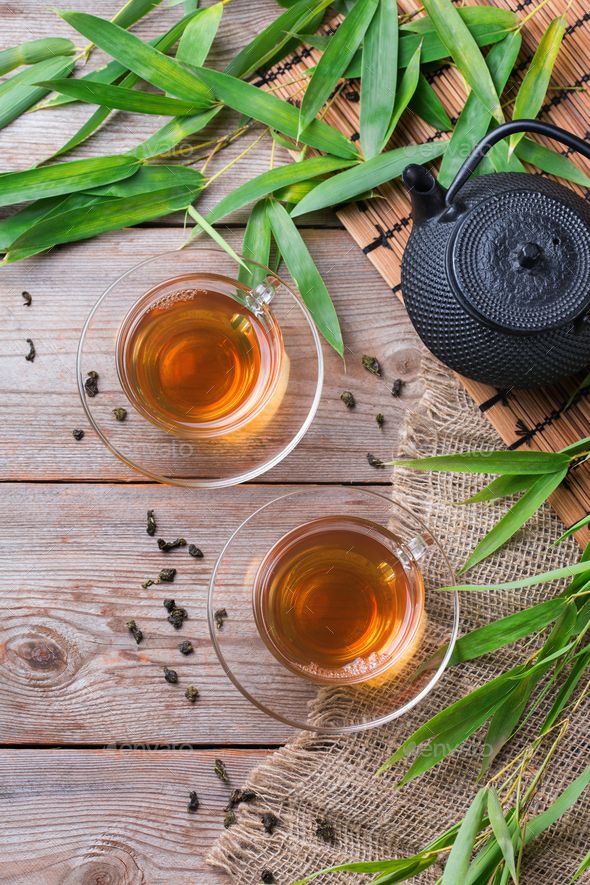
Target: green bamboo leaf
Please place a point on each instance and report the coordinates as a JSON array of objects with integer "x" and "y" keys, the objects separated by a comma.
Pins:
[
  {"x": 261, "y": 50},
  {"x": 459, "y": 859},
  {"x": 501, "y": 832},
  {"x": 585, "y": 865},
  {"x": 166, "y": 138},
  {"x": 502, "y": 487},
  {"x": 294, "y": 193},
  {"x": 505, "y": 719},
  {"x": 475, "y": 118},
  {"x": 577, "y": 449},
  {"x": 117, "y": 97},
  {"x": 378, "y": 77},
  {"x": 558, "y": 807},
  {"x": 109, "y": 214},
  {"x": 573, "y": 529},
  {"x": 50, "y": 181},
  {"x": 197, "y": 39},
  {"x": 216, "y": 237},
  {"x": 300, "y": 265},
  {"x": 34, "y": 51},
  {"x": 366, "y": 176},
  {"x": 144, "y": 60},
  {"x": 428, "y": 106},
  {"x": 566, "y": 691},
  {"x": 464, "y": 51},
  {"x": 532, "y": 91},
  {"x": 488, "y": 17},
  {"x": 149, "y": 179},
  {"x": 566, "y": 571},
  {"x": 501, "y": 160},
  {"x": 133, "y": 11},
  {"x": 504, "y": 462},
  {"x": 519, "y": 513},
  {"x": 12, "y": 227},
  {"x": 550, "y": 161},
  {"x": 406, "y": 90},
  {"x": 19, "y": 93},
  {"x": 270, "y": 181},
  {"x": 274, "y": 112},
  {"x": 336, "y": 59},
  {"x": 256, "y": 246}
]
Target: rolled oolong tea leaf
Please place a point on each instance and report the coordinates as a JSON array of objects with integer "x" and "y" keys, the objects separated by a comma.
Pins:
[
  {"x": 220, "y": 616},
  {"x": 229, "y": 819},
  {"x": 348, "y": 399},
  {"x": 192, "y": 694},
  {"x": 170, "y": 676},
  {"x": 371, "y": 364},
  {"x": 239, "y": 796},
  {"x": 135, "y": 631},
  {"x": 120, "y": 413},
  {"x": 193, "y": 802},
  {"x": 151, "y": 523},
  {"x": 167, "y": 575},
  {"x": 177, "y": 617},
  {"x": 270, "y": 822},
  {"x": 78, "y": 434},
  {"x": 169, "y": 605},
  {"x": 374, "y": 461},
  {"x": 167, "y": 546},
  {"x": 396, "y": 389},
  {"x": 30, "y": 357},
  {"x": 325, "y": 830},
  {"x": 380, "y": 419},
  {"x": 186, "y": 648},
  {"x": 221, "y": 771},
  {"x": 195, "y": 551},
  {"x": 91, "y": 384},
  {"x": 27, "y": 299},
  {"x": 267, "y": 878}
]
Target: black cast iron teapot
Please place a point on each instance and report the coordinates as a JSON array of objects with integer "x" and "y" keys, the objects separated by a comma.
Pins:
[{"x": 496, "y": 273}]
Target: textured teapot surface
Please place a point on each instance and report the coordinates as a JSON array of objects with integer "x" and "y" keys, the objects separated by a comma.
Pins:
[{"x": 498, "y": 287}]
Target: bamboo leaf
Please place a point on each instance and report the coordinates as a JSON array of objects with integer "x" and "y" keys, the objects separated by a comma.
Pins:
[
  {"x": 117, "y": 97},
  {"x": 379, "y": 866},
  {"x": 216, "y": 237},
  {"x": 502, "y": 487},
  {"x": 573, "y": 529},
  {"x": 133, "y": 11},
  {"x": 62, "y": 178},
  {"x": 256, "y": 246},
  {"x": 19, "y": 93},
  {"x": 505, "y": 718},
  {"x": 558, "y": 807},
  {"x": 459, "y": 859},
  {"x": 274, "y": 112},
  {"x": 34, "y": 51},
  {"x": 501, "y": 832},
  {"x": 504, "y": 462},
  {"x": 475, "y": 118},
  {"x": 335, "y": 60},
  {"x": 274, "y": 37},
  {"x": 406, "y": 90},
  {"x": 166, "y": 138},
  {"x": 533, "y": 88},
  {"x": 366, "y": 176},
  {"x": 519, "y": 513},
  {"x": 270, "y": 181},
  {"x": 144, "y": 60},
  {"x": 301, "y": 266},
  {"x": 427, "y": 105},
  {"x": 464, "y": 51},
  {"x": 490, "y": 18},
  {"x": 566, "y": 571},
  {"x": 149, "y": 179},
  {"x": 379, "y": 77},
  {"x": 550, "y": 161},
  {"x": 585, "y": 865},
  {"x": 197, "y": 39}
]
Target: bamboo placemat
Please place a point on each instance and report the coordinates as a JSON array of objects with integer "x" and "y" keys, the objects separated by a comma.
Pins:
[{"x": 535, "y": 418}]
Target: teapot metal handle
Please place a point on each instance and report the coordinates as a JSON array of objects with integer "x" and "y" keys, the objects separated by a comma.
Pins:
[{"x": 496, "y": 135}]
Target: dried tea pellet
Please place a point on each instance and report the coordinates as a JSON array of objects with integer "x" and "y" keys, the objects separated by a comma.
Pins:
[
  {"x": 229, "y": 819},
  {"x": 32, "y": 352},
  {"x": 374, "y": 461},
  {"x": 193, "y": 802},
  {"x": 167, "y": 575},
  {"x": 195, "y": 551},
  {"x": 221, "y": 771},
  {"x": 177, "y": 617},
  {"x": 325, "y": 830},
  {"x": 78, "y": 434},
  {"x": 148, "y": 583},
  {"x": 170, "y": 676},
  {"x": 186, "y": 647},
  {"x": 396, "y": 389},
  {"x": 269, "y": 822},
  {"x": 91, "y": 384},
  {"x": 167, "y": 546},
  {"x": 191, "y": 694},
  {"x": 371, "y": 364},
  {"x": 380, "y": 419},
  {"x": 27, "y": 299},
  {"x": 220, "y": 616},
  {"x": 120, "y": 413},
  {"x": 266, "y": 876},
  {"x": 169, "y": 605},
  {"x": 151, "y": 523},
  {"x": 239, "y": 796},
  {"x": 348, "y": 399},
  {"x": 135, "y": 631}
]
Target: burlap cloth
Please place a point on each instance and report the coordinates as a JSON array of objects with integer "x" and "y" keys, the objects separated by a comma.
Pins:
[{"x": 316, "y": 776}]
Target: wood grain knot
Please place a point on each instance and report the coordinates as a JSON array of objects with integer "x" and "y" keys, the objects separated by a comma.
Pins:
[
  {"x": 43, "y": 654},
  {"x": 118, "y": 868},
  {"x": 40, "y": 656},
  {"x": 405, "y": 362}
]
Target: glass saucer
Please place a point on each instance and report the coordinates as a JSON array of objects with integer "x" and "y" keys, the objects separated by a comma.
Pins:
[
  {"x": 165, "y": 454},
  {"x": 289, "y": 696}
]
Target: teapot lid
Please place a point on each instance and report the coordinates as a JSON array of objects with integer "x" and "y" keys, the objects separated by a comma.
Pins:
[{"x": 520, "y": 262}]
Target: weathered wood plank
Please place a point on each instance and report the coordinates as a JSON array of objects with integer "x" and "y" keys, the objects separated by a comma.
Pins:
[
  {"x": 113, "y": 816},
  {"x": 39, "y": 403},
  {"x": 73, "y": 561}
]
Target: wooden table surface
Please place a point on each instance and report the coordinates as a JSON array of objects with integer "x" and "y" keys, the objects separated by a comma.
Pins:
[{"x": 98, "y": 753}]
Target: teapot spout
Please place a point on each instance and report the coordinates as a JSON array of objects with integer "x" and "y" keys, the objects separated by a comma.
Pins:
[{"x": 426, "y": 194}]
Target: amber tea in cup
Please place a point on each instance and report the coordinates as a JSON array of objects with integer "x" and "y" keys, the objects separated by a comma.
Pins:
[
  {"x": 338, "y": 599},
  {"x": 200, "y": 356}
]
